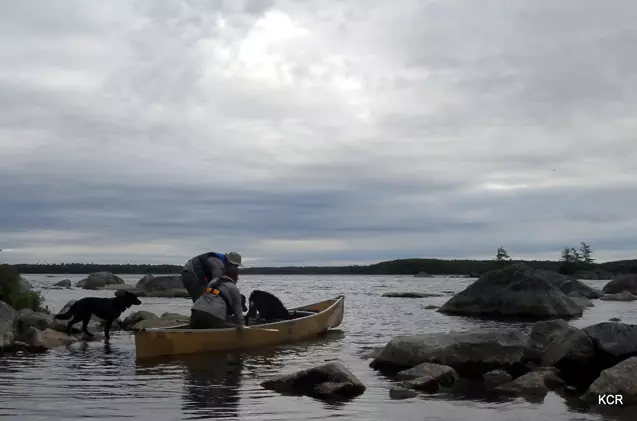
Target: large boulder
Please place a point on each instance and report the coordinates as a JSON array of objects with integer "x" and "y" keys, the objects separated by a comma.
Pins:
[
  {"x": 569, "y": 285},
  {"x": 573, "y": 353},
  {"x": 160, "y": 283},
  {"x": 514, "y": 291},
  {"x": 613, "y": 341},
  {"x": 621, "y": 283},
  {"x": 98, "y": 280},
  {"x": 331, "y": 380},
  {"x": 7, "y": 333},
  {"x": 621, "y": 379},
  {"x": 471, "y": 353}
]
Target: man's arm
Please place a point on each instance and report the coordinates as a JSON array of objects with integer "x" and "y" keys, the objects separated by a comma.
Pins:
[
  {"x": 237, "y": 307},
  {"x": 216, "y": 267}
]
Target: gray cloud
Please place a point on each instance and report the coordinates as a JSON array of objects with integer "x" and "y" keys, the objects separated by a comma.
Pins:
[{"x": 316, "y": 132}]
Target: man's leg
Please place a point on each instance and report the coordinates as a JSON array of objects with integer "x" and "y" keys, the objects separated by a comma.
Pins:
[
  {"x": 202, "y": 320},
  {"x": 193, "y": 284}
]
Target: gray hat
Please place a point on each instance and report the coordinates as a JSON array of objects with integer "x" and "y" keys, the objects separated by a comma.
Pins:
[{"x": 234, "y": 258}]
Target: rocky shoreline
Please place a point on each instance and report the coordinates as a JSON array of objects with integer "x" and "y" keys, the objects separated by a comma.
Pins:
[{"x": 581, "y": 364}]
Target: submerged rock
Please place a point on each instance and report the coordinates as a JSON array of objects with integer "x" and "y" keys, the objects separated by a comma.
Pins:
[
  {"x": 407, "y": 294},
  {"x": 331, "y": 380},
  {"x": 398, "y": 392},
  {"x": 514, "y": 291},
  {"x": 470, "y": 353}
]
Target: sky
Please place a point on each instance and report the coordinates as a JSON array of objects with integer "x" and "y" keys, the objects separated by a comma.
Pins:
[{"x": 316, "y": 132}]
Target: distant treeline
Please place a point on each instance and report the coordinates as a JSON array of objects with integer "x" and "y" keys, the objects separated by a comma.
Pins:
[{"x": 392, "y": 267}]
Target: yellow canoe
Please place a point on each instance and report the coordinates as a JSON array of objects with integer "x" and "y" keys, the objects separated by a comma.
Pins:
[{"x": 310, "y": 321}]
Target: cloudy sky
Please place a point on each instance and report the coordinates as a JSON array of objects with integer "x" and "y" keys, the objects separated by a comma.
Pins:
[{"x": 316, "y": 131}]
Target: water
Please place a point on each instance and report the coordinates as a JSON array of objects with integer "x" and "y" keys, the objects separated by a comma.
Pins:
[{"x": 94, "y": 380}]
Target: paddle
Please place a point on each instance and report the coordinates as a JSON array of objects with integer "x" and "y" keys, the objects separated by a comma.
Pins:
[{"x": 261, "y": 328}]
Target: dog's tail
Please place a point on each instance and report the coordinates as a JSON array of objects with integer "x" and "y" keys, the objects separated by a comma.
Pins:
[{"x": 67, "y": 314}]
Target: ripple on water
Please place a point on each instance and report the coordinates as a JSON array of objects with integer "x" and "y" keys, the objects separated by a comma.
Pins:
[{"x": 91, "y": 380}]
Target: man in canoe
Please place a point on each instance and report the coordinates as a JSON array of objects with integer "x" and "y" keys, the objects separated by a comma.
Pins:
[
  {"x": 202, "y": 269},
  {"x": 220, "y": 298}
]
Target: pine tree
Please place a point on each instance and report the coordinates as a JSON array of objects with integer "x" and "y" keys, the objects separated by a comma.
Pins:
[
  {"x": 586, "y": 252},
  {"x": 502, "y": 254}
]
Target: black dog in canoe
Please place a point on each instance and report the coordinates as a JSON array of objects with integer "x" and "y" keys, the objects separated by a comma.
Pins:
[
  {"x": 107, "y": 309},
  {"x": 268, "y": 305}
]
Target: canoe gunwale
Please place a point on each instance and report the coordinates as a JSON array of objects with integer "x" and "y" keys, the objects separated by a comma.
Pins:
[{"x": 182, "y": 329}]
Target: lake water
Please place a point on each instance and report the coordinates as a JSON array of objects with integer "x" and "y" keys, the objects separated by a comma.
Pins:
[{"x": 92, "y": 380}]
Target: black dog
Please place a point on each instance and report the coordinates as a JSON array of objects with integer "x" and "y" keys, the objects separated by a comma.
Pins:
[
  {"x": 268, "y": 306},
  {"x": 107, "y": 309}
]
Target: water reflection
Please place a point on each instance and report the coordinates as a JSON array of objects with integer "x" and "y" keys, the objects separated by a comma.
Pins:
[{"x": 211, "y": 386}]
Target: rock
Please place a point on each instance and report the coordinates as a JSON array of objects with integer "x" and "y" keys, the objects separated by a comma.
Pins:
[
  {"x": 442, "y": 374},
  {"x": 615, "y": 319},
  {"x": 431, "y": 307},
  {"x": 160, "y": 283},
  {"x": 580, "y": 300},
  {"x": 26, "y": 319},
  {"x": 423, "y": 275},
  {"x": 613, "y": 341},
  {"x": 397, "y": 392},
  {"x": 424, "y": 384},
  {"x": 541, "y": 336},
  {"x": 47, "y": 339},
  {"x": 331, "y": 380},
  {"x": 570, "y": 285},
  {"x": 372, "y": 353},
  {"x": 7, "y": 318},
  {"x": 63, "y": 283},
  {"x": 411, "y": 294},
  {"x": 621, "y": 283},
  {"x": 98, "y": 280},
  {"x": 528, "y": 384},
  {"x": 166, "y": 320},
  {"x": 168, "y": 293},
  {"x": 495, "y": 378},
  {"x": 573, "y": 353},
  {"x": 621, "y": 379},
  {"x": 514, "y": 291},
  {"x": 137, "y": 317},
  {"x": 470, "y": 353},
  {"x": 120, "y": 287},
  {"x": 620, "y": 296}
]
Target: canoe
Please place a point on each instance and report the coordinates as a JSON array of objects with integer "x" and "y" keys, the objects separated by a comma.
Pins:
[{"x": 310, "y": 321}]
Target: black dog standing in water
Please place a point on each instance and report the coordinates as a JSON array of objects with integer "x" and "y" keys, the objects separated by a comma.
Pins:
[
  {"x": 268, "y": 306},
  {"x": 107, "y": 309}
]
